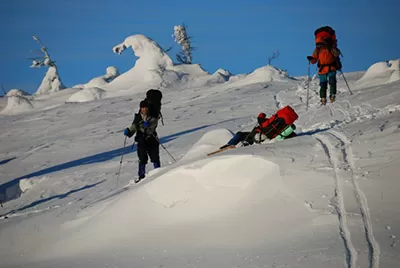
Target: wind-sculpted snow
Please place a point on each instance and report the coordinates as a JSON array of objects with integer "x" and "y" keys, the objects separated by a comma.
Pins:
[
  {"x": 111, "y": 73},
  {"x": 87, "y": 94},
  {"x": 146, "y": 72},
  {"x": 381, "y": 73}
]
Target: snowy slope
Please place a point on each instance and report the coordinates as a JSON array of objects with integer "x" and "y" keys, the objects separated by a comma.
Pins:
[{"x": 327, "y": 198}]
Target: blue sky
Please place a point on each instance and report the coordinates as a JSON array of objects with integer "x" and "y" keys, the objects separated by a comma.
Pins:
[{"x": 236, "y": 35}]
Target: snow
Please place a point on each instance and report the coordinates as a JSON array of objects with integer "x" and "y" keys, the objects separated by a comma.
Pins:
[
  {"x": 87, "y": 94},
  {"x": 381, "y": 73},
  {"x": 327, "y": 198},
  {"x": 17, "y": 103},
  {"x": 17, "y": 92},
  {"x": 111, "y": 73}
]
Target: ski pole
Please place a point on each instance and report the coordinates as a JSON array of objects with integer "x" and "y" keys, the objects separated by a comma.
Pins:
[
  {"x": 308, "y": 84},
  {"x": 158, "y": 140},
  {"x": 345, "y": 80},
  {"x": 120, "y": 162}
]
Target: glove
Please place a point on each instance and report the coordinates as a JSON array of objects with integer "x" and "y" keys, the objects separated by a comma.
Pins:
[
  {"x": 127, "y": 132},
  {"x": 146, "y": 124},
  {"x": 310, "y": 58}
]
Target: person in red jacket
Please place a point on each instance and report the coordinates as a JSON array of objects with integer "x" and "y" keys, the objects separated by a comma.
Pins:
[
  {"x": 258, "y": 134},
  {"x": 328, "y": 63}
]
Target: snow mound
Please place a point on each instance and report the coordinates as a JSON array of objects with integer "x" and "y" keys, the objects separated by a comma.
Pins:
[
  {"x": 50, "y": 83},
  {"x": 17, "y": 93},
  {"x": 263, "y": 74},
  {"x": 269, "y": 73},
  {"x": 211, "y": 186},
  {"x": 223, "y": 72},
  {"x": 191, "y": 75},
  {"x": 87, "y": 94},
  {"x": 209, "y": 142},
  {"x": 381, "y": 73},
  {"x": 199, "y": 193},
  {"x": 111, "y": 73},
  {"x": 17, "y": 104}
]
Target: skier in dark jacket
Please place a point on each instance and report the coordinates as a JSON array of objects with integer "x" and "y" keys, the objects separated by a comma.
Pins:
[{"x": 146, "y": 137}]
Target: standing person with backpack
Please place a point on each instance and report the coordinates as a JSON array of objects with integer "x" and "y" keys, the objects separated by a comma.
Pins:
[
  {"x": 326, "y": 54},
  {"x": 144, "y": 125}
]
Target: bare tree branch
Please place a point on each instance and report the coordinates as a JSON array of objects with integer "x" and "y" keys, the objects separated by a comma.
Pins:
[
  {"x": 44, "y": 58},
  {"x": 5, "y": 92},
  {"x": 275, "y": 55}
]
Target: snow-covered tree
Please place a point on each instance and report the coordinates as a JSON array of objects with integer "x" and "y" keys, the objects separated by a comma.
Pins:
[
  {"x": 181, "y": 37},
  {"x": 275, "y": 55},
  {"x": 52, "y": 81}
]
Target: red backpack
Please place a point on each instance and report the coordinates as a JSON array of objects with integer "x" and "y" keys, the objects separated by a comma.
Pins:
[
  {"x": 288, "y": 114},
  {"x": 325, "y": 36},
  {"x": 278, "y": 122}
]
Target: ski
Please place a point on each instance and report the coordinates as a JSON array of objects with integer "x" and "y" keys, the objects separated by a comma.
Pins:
[{"x": 221, "y": 150}]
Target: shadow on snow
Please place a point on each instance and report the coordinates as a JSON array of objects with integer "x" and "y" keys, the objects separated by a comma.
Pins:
[
  {"x": 59, "y": 196},
  {"x": 11, "y": 190},
  {"x": 5, "y": 161}
]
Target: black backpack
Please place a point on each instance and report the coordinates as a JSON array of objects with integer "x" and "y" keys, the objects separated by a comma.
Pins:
[{"x": 153, "y": 97}]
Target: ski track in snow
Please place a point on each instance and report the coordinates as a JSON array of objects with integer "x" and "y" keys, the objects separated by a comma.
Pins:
[
  {"x": 341, "y": 158},
  {"x": 334, "y": 159},
  {"x": 373, "y": 246}
]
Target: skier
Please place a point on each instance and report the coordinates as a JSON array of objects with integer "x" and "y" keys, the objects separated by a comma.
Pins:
[
  {"x": 146, "y": 137},
  {"x": 279, "y": 126},
  {"x": 326, "y": 54}
]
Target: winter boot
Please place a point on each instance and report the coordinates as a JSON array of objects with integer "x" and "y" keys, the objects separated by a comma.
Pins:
[
  {"x": 323, "y": 101},
  {"x": 142, "y": 171},
  {"x": 333, "y": 98},
  {"x": 156, "y": 165}
]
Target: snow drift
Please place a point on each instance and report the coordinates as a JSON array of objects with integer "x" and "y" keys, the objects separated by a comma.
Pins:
[
  {"x": 381, "y": 73},
  {"x": 263, "y": 74},
  {"x": 111, "y": 73},
  {"x": 196, "y": 194},
  {"x": 87, "y": 94}
]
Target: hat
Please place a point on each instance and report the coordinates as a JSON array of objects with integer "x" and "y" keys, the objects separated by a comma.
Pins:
[
  {"x": 261, "y": 118},
  {"x": 262, "y": 115},
  {"x": 144, "y": 103}
]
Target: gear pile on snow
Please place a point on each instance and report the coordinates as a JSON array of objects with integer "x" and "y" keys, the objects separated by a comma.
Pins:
[{"x": 277, "y": 123}]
